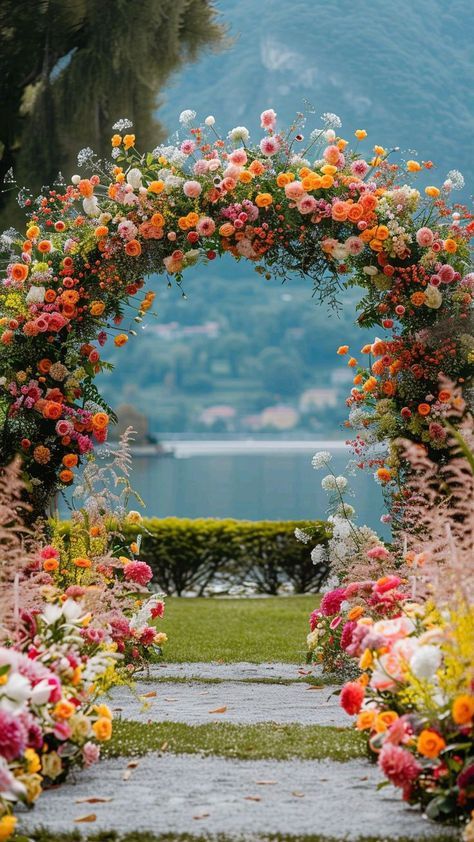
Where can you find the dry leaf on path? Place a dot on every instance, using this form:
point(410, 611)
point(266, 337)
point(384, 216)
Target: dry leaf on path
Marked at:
point(298, 794)
point(314, 687)
point(132, 764)
point(201, 816)
point(93, 800)
point(266, 783)
point(252, 798)
point(127, 775)
point(171, 700)
point(219, 710)
point(150, 695)
point(165, 745)
point(90, 818)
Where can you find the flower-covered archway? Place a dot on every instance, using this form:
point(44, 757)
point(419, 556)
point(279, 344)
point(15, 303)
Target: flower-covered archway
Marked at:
point(335, 213)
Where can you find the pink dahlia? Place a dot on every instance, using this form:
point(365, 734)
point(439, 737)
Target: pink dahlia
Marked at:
point(314, 619)
point(138, 571)
point(346, 636)
point(147, 636)
point(268, 119)
point(12, 736)
point(351, 698)
point(398, 765)
point(332, 601)
point(269, 146)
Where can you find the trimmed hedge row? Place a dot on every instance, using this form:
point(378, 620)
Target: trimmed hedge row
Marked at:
point(203, 554)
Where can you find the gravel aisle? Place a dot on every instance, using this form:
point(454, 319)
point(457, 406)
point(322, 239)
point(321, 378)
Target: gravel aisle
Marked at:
point(192, 794)
point(245, 703)
point(232, 672)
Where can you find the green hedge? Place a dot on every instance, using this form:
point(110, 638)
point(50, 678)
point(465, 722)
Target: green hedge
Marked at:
point(194, 555)
point(197, 555)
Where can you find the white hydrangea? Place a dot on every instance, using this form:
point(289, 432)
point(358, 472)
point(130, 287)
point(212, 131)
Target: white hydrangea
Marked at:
point(341, 527)
point(239, 134)
point(425, 661)
point(187, 116)
point(299, 162)
point(319, 555)
point(328, 483)
point(321, 459)
point(172, 182)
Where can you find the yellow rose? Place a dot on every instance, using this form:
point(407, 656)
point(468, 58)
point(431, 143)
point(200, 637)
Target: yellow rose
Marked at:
point(51, 765)
point(360, 134)
point(103, 710)
point(33, 763)
point(32, 784)
point(160, 638)
point(80, 727)
point(102, 729)
point(7, 827)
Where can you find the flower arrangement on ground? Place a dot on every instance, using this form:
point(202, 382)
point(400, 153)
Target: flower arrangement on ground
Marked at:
point(287, 203)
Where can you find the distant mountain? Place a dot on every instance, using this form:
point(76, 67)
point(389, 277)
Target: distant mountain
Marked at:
point(402, 70)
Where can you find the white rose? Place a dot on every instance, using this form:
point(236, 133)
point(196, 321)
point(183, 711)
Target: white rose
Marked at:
point(35, 295)
point(134, 178)
point(91, 206)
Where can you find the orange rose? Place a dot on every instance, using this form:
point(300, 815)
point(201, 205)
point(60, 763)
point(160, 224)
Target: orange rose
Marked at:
point(355, 612)
point(158, 220)
point(63, 709)
point(70, 460)
point(424, 408)
point(156, 187)
point(368, 201)
point(450, 245)
point(96, 308)
point(193, 219)
point(355, 212)
point(86, 188)
point(226, 230)
point(52, 410)
point(19, 272)
point(463, 709)
point(383, 474)
point(44, 246)
point(66, 476)
point(382, 232)
point(430, 743)
point(263, 200)
point(44, 365)
point(120, 340)
point(133, 248)
point(82, 562)
point(283, 179)
point(245, 177)
point(384, 720)
point(418, 298)
point(100, 420)
point(183, 223)
point(50, 565)
point(33, 232)
point(389, 388)
point(256, 168)
point(49, 296)
point(444, 396)
point(413, 166)
point(327, 181)
point(365, 720)
point(101, 231)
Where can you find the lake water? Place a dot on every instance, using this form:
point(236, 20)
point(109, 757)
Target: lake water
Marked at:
point(249, 480)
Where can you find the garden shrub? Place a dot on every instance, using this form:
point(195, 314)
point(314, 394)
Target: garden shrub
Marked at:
point(196, 554)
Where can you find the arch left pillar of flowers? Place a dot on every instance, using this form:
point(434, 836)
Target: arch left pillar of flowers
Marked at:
point(287, 204)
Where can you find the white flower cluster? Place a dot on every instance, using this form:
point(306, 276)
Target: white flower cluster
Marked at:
point(239, 135)
point(332, 483)
point(84, 156)
point(321, 459)
point(122, 124)
point(186, 117)
point(331, 121)
point(302, 536)
point(454, 180)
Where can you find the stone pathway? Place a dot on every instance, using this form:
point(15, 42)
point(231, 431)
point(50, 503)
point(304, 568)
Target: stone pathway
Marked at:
point(245, 704)
point(191, 794)
point(214, 795)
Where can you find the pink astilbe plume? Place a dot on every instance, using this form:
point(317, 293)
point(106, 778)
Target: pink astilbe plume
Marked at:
point(439, 515)
point(16, 540)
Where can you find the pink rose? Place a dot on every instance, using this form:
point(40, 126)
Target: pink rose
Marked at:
point(191, 189)
point(268, 119)
point(294, 190)
point(90, 753)
point(424, 237)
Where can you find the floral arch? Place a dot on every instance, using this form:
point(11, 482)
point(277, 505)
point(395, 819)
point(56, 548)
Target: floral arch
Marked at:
point(287, 203)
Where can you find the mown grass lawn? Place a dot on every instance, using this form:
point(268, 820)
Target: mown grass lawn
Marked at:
point(112, 836)
point(231, 630)
point(245, 742)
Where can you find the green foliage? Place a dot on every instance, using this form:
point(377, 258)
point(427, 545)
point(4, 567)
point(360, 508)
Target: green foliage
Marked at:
point(43, 835)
